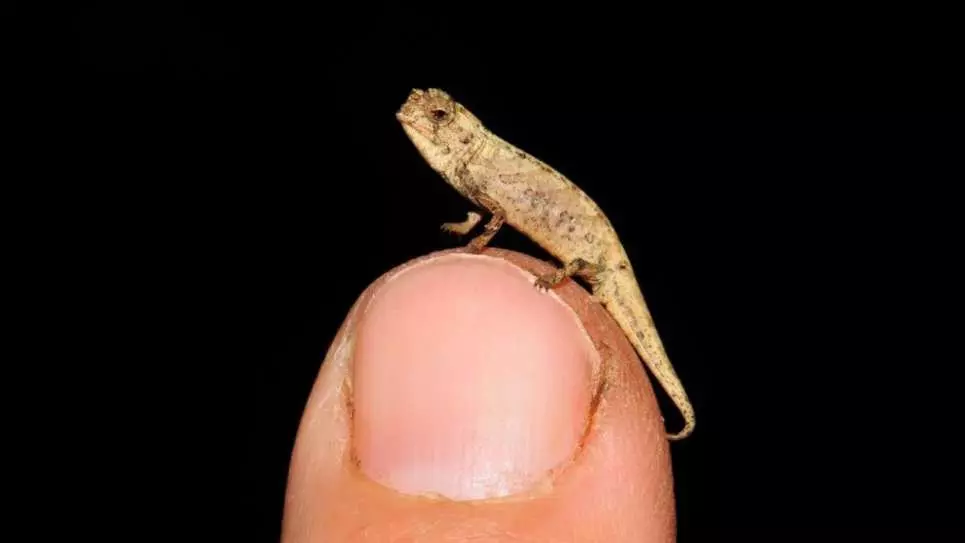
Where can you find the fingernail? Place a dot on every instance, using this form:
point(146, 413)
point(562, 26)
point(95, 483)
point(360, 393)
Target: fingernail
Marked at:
point(468, 382)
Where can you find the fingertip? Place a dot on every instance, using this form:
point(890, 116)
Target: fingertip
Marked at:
point(392, 415)
point(469, 383)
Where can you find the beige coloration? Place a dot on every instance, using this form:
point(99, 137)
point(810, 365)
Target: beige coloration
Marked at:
point(521, 190)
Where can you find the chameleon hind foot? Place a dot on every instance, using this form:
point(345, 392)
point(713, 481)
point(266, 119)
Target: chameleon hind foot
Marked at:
point(578, 266)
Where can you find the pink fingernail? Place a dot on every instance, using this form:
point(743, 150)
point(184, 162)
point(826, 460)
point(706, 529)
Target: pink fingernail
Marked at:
point(468, 382)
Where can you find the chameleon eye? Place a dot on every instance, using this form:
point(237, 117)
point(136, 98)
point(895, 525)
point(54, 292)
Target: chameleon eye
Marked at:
point(439, 114)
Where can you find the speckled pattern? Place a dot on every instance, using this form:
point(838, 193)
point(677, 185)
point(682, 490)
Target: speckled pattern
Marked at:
point(521, 190)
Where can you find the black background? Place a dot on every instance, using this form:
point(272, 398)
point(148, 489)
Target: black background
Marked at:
point(223, 180)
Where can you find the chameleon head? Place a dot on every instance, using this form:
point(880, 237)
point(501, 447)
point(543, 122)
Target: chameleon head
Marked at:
point(439, 127)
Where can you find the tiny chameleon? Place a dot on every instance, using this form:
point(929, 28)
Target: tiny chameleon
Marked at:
point(521, 190)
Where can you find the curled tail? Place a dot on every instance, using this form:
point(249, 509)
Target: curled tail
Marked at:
point(630, 312)
point(650, 349)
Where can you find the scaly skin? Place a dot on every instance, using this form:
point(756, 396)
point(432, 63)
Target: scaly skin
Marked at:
point(532, 197)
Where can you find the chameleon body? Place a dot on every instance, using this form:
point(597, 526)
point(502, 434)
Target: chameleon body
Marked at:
point(519, 189)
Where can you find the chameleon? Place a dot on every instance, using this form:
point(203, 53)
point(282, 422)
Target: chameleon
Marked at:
point(521, 190)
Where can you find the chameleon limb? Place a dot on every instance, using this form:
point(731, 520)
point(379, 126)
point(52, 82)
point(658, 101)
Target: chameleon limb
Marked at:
point(463, 228)
point(576, 266)
point(479, 242)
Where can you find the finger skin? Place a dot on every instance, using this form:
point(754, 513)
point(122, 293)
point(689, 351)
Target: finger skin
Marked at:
point(617, 486)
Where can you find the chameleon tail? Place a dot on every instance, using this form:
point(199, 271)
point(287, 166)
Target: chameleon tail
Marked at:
point(636, 322)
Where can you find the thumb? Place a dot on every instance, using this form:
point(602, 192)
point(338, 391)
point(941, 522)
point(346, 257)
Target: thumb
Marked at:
point(458, 402)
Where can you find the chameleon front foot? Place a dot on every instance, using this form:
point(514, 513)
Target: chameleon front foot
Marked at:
point(479, 242)
point(464, 227)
